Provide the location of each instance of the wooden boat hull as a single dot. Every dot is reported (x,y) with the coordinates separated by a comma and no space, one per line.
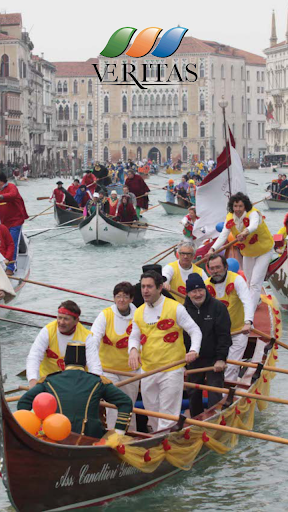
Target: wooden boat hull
(173,208)
(279,284)
(173,171)
(103,230)
(67,217)
(274,204)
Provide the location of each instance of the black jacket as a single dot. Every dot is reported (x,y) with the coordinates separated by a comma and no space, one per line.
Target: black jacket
(214,321)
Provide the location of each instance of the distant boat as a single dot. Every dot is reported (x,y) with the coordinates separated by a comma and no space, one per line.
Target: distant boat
(173,208)
(275,204)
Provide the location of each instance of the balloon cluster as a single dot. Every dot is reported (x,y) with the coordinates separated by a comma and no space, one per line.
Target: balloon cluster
(55,426)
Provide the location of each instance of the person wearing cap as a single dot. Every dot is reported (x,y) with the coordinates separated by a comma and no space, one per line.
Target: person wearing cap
(232,290)
(82,196)
(113,203)
(170,194)
(137,185)
(72,189)
(157,328)
(192,191)
(78,395)
(91,204)
(177,272)
(58,195)
(188,222)
(213,319)
(48,350)
(138,299)
(90,181)
(111,331)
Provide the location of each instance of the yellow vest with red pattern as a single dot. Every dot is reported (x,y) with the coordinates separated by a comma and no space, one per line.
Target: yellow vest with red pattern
(162,342)
(255,244)
(113,351)
(177,282)
(230,299)
(54,361)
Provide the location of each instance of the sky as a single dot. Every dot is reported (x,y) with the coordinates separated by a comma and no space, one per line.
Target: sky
(73,31)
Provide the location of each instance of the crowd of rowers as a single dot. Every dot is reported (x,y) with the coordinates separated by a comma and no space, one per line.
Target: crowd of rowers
(279,188)
(149,326)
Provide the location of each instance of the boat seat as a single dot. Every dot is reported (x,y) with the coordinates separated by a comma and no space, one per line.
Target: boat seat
(22,245)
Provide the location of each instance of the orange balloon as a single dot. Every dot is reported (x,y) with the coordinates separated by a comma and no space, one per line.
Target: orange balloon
(28,420)
(57,427)
(231,237)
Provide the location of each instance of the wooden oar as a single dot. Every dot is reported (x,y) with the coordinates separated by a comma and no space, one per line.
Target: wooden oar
(152,372)
(166,250)
(73,207)
(264,198)
(62,232)
(151,207)
(223,248)
(205,424)
(178,293)
(267,337)
(54,287)
(255,365)
(11,308)
(162,258)
(20,388)
(49,229)
(41,198)
(41,213)
(238,392)
(20,323)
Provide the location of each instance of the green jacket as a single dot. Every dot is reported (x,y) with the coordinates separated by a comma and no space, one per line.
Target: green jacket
(78,394)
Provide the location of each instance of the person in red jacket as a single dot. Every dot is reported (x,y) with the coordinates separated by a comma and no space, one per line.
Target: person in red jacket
(58,195)
(126,211)
(12,214)
(72,189)
(90,181)
(6,244)
(137,185)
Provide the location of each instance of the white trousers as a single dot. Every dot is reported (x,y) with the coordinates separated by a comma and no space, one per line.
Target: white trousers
(163,392)
(255,270)
(236,352)
(130,390)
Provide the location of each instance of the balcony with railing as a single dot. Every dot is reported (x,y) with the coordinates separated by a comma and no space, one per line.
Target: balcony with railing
(151,139)
(155,112)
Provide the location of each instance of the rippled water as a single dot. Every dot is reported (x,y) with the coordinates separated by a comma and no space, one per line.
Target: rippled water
(254,475)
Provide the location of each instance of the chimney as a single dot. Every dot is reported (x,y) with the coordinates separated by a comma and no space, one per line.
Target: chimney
(273,38)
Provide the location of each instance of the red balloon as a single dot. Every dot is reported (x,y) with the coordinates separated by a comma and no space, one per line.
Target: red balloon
(44,404)
(241,273)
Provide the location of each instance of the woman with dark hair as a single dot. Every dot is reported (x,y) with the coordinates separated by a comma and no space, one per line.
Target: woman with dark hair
(126,211)
(255,241)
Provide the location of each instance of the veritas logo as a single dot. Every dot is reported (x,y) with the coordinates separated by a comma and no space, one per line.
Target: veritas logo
(141,46)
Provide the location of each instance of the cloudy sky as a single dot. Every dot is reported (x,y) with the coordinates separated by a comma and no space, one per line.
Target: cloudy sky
(70,31)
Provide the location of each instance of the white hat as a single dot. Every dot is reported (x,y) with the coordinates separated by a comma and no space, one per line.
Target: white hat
(113,192)
(96,194)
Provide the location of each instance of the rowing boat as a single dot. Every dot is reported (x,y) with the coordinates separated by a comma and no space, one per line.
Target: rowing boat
(75,474)
(101,229)
(67,216)
(275,204)
(277,276)
(173,208)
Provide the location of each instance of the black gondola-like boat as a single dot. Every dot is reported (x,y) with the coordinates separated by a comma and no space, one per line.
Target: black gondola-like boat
(67,216)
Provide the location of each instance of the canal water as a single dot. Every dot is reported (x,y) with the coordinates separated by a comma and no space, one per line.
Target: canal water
(254,475)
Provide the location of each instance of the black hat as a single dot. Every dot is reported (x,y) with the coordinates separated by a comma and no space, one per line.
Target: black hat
(59,183)
(75,354)
(83,186)
(194,282)
(154,266)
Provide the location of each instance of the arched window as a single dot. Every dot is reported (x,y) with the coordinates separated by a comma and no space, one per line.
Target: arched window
(202,70)
(202,153)
(75,135)
(59,136)
(232,104)
(65,136)
(90,135)
(65,86)
(59,87)
(140,102)
(146,130)
(75,111)
(124,103)
(75,87)
(242,104)
(169,102)
(176,130)
(183,71)
(243,131)
(168,153)
(212,103)
(152,130)
(134,130)
(105,154)
(212,70)
(242,73)
(184,103)
(164,130)
(139,153)
(90,86)
(202,102)
(170,131)
(66,113)
(90,111)
(124,131)
(158,101)
(184,154)
(152,102)
(146,102)
(106,131)
(222,71)
(140,130)
(202,129)
(163,101)
(184,130)
(175,101)
(158,130)
(60,113)
(106,104)
(124,154)
(134,103)
(213,130)
(232,73)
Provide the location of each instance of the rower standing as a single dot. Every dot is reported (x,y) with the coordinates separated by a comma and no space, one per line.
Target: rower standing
(90,181)
(137,185)
(72,189)
(58,195)
(188,222)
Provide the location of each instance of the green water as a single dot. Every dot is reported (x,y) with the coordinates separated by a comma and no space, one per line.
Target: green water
(254,475)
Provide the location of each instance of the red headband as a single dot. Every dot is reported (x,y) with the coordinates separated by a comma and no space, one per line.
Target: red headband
(64,311)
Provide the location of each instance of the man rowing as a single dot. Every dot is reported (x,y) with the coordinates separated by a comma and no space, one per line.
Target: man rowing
(48,350)
(72,189)
(7,246)
(111,331)
(157,327)
(231,289)
(90,181)
(178,271)
(137,186)
(78,395)
(58,195)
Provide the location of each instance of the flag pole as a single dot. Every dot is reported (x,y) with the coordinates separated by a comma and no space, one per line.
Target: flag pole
(223,104)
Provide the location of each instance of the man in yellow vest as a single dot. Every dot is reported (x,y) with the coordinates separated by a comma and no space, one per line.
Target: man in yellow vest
(230,288)
(111,331)
(178,272)
(48,350)
(255,241)
(157,329)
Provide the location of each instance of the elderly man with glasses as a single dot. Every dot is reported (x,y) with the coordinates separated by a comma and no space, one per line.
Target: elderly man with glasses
(111,330)
(178,271)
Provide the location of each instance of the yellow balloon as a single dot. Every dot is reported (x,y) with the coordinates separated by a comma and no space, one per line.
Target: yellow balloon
(57,427)
(28,420)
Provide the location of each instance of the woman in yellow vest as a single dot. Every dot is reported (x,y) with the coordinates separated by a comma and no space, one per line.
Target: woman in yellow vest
(177,272)
(111,330)
(48,350)
(255,241)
